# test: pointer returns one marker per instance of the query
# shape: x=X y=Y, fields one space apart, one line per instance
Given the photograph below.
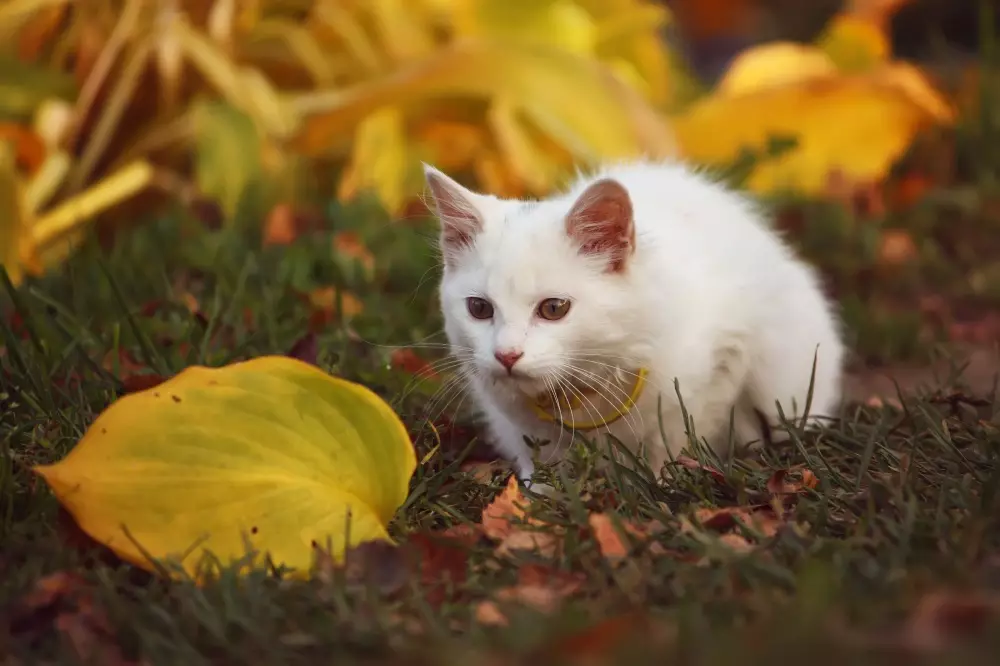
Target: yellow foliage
x=850 y=111
x=270 y=452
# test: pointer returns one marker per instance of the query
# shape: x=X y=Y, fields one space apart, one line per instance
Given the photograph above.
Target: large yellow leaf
x=578 y=102
x=270 y=451
x=854 y=124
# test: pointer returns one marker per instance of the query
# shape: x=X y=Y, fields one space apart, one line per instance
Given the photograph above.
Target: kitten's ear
x=455 y=207
x=601 y=223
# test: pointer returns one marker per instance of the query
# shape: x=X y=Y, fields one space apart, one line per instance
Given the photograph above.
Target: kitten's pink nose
x=508 y=357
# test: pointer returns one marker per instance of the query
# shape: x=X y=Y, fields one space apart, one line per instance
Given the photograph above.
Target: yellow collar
x=543 y=407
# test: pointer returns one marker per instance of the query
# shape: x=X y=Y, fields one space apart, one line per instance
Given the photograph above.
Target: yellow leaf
x=857 y=125
x=576 y=101
x=228 y=150
x=272 y=452
x=380 y=160
x=854 y=44
x=561 y=24
x=774 y=64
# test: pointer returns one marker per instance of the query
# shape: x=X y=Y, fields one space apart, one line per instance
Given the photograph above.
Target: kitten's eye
x=553 y=309
x=479 y=308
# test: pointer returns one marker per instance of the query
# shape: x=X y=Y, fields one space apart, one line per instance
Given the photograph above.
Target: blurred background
x=868 y=126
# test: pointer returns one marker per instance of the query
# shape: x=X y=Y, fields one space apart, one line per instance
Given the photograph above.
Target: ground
x=873 y=539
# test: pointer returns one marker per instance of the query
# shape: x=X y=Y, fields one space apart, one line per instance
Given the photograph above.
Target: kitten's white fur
x=711 y=297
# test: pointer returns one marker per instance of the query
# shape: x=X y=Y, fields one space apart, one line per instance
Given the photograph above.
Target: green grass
x=907 y=500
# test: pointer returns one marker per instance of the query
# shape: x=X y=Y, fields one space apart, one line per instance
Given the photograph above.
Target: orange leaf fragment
x=538 y=587
x=896 y=246
x=348 y=244
x=504 y=521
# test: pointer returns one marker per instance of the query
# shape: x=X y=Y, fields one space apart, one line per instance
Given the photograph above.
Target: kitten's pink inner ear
x=601 y=223
x=460 y=220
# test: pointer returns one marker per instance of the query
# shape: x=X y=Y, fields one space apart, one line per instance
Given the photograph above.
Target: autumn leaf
x=539 y=587
x=201 y=461
x=504 y=520
x=942 y=619
x=407 y=360
x=64 y=601
x=857 y=123
x=329 y=303
x=690 y=463
x=348 y=245
x=609 y=539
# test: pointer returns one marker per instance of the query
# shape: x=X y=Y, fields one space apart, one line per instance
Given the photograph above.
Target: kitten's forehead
x=525 y=251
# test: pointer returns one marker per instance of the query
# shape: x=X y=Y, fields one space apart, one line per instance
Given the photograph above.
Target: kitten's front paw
x=539 y=488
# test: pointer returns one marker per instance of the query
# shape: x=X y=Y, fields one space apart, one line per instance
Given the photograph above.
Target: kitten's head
x=536 y=292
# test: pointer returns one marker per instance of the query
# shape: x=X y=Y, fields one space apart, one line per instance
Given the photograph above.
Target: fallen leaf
x=896 y=246
x=441 y=561
x=760 y=518
x=942 y=619
x=325 y=300
x=505 y=507
x=281 y=227
x=538 y=587
x=198 y=463
x=306 y=349
x=599 y=639
x=481 y=472
x=610 y=542
x=348 y=244
x=504 y=520
x=64 y=601
x=809 y=479
x=410 y=362
x=691 y=463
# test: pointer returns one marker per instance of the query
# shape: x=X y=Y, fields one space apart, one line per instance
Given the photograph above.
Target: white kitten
x=646 y=269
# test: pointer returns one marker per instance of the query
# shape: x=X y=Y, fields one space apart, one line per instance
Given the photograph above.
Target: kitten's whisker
x=550 y=388
x=631 y=415
x=439 y=367
x=585 y=402
x=602 y=390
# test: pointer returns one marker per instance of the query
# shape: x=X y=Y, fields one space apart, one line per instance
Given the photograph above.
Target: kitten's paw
x=539 y=488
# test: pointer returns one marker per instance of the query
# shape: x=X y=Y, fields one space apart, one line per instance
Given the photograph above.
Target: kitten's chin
x=516 y=385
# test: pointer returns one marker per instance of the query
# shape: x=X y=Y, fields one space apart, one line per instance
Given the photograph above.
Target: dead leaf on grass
x=408 y=361
x=504 y=521
x=943 y=618
x=726 y=521
x=348 y=245
x=691 y=463
x=539 y=587
x=64 y=601
x=609 y=539
x=306 y=349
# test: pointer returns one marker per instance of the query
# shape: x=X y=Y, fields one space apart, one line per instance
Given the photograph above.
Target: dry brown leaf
x=64 y=601
x=504 y=521
x=481 y=472
x=325 y=299
x=508 y=505
x=610 y=542
x=943 y=618
x=809 y=479
x=348 y=244
x=280 y=227
x=896 y=246
x=538 y=587
x=690 y=463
